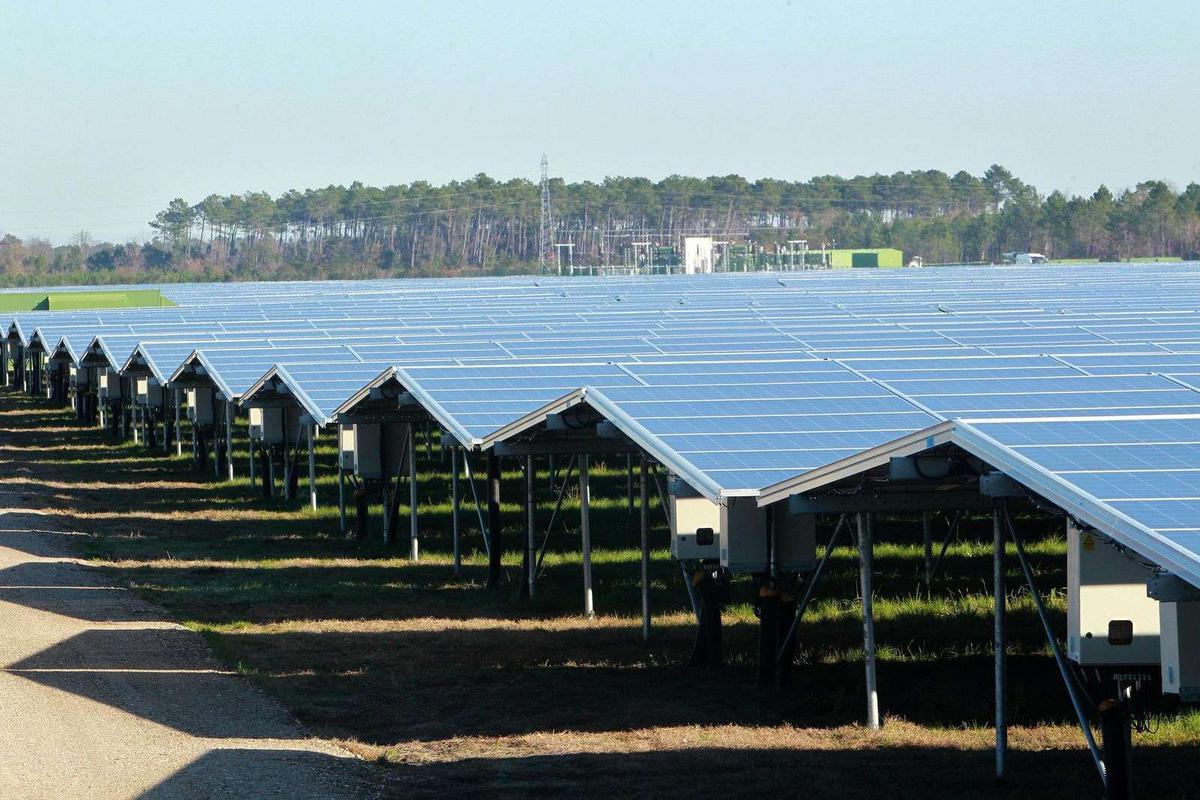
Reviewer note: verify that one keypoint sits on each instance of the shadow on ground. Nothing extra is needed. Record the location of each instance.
(239, 773)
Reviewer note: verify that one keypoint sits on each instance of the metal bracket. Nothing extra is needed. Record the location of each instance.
(1167, 588)
(895, 502)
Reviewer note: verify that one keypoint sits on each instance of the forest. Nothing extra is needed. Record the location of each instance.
(481, 226)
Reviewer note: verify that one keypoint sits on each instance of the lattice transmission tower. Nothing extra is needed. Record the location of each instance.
(545, 228)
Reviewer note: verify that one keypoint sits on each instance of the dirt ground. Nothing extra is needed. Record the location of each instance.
(169, 635)
(105, 698)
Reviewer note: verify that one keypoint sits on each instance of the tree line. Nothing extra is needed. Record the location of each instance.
(483, 226)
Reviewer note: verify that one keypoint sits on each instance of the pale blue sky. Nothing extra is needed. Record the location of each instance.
(109, 110)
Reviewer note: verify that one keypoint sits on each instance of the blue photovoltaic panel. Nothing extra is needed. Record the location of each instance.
(767, 372)
(1147, 470)
(793, 434)
(480, 400)
(1063, 396)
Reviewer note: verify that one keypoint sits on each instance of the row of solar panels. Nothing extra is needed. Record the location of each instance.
(1082, 379)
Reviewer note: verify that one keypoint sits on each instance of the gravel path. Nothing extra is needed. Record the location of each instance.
(103, 697)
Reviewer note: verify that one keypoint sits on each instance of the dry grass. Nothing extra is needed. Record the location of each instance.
(465, 692)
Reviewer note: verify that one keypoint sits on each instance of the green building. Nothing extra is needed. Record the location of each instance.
(870, 258)
(74, 301)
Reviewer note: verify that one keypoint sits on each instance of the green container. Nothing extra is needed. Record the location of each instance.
(73, 301)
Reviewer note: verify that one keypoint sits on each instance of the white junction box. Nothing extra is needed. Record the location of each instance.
(266, 425)
(366, 451)
(346, 447)
(110, 385)
(200, 405)
(1180, 632)
(149, 392)
(745, 544)
(378, 449)
(1110, 619)
(695, 528)
(274, 425)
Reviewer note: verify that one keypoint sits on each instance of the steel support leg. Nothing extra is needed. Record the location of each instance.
(341, 478)
(1060, 660)
(644, 528)
(178, 434)
(531, 560)
(865, 561)
(414, 534)
(312, 467)
(455, 530)
(927, 538)
(494, 521)
(585, 529)
(229, 440)
(1000, 639)
(629, 485)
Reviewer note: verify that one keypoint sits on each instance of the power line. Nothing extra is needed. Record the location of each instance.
(544, 226)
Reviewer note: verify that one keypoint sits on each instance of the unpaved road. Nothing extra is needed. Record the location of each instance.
(102, 697)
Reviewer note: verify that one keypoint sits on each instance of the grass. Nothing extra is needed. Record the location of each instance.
(468, 692)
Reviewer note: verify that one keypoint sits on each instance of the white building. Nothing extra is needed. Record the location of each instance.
(697, 254)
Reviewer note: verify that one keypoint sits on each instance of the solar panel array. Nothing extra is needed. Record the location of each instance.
(736, 381)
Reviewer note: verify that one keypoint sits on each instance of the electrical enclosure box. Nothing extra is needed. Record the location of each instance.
(110, 385)
(695, 528)
(1110, 619)
(266, 425)
(378, 449)
(200, 405)
(149, 392)
(1180, 636)
(346, 447)
(274, 425)
(367, 463)
(795, 541)
(745, 541)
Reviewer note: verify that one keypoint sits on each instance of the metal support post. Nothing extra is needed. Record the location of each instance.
(494, 522)
(252, 459)
(455, 530)
(166, 422)
(585, 529)
(927, 537)
(1060, 660)
(644, 526)
(287, 463)
(531, 560)
(999, 638)
(414, 534)
(341, 476)
(229, 440)
(1118, 748)
(865, 562)
(312, 466)
(629, 484)
(178, 433)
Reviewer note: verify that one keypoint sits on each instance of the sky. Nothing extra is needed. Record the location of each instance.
(110, 110)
